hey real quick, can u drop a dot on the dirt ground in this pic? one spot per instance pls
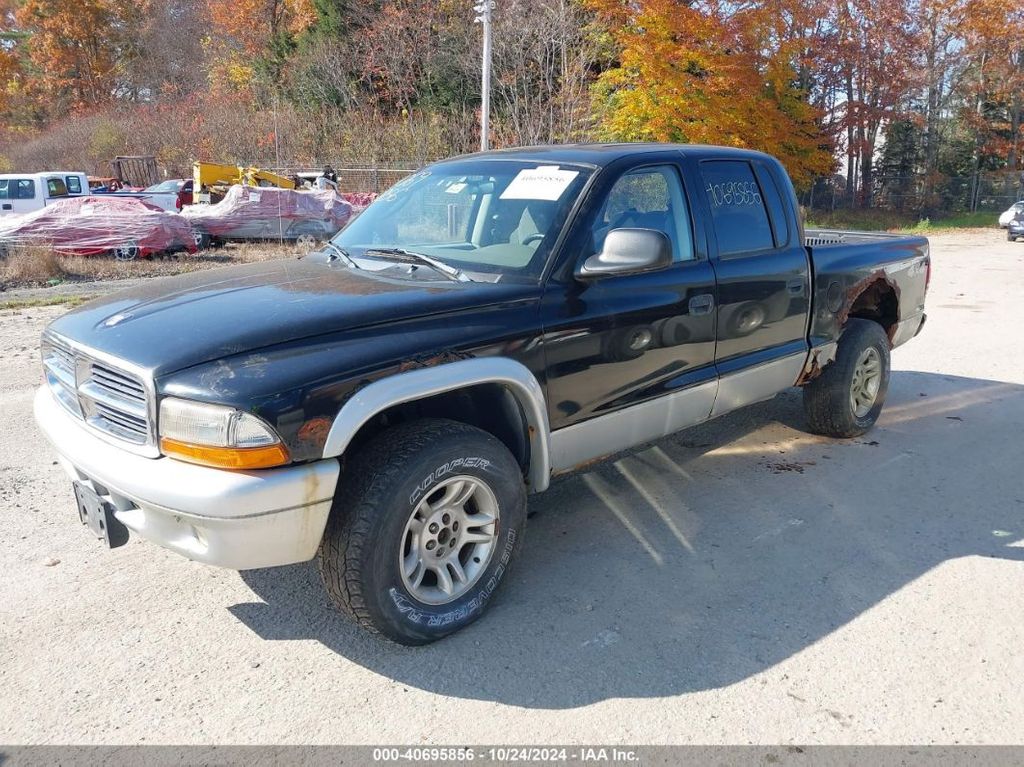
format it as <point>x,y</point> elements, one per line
<point>743,582</point>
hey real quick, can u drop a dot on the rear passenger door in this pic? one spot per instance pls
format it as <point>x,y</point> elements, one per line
<point>763,279</point>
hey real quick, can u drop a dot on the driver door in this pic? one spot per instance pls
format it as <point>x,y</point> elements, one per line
<point>627,356</point>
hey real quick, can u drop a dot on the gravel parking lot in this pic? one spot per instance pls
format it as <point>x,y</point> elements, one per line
<point>743,582</point>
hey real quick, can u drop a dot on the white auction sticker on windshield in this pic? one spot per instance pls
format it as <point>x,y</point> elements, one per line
<point>544,183</point>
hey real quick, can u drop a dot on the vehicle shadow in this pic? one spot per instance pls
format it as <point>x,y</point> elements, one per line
<point>711,555</point>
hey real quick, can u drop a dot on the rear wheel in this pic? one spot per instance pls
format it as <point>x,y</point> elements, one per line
<point>847,398</point>
<point>428,518</point>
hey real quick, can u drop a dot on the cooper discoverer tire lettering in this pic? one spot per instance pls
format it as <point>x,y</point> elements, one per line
<point>427,520</point>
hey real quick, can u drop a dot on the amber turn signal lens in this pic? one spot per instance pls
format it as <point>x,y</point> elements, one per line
<point>226,457</point>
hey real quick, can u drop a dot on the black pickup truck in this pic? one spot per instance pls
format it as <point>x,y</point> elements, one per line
<point>386,404</point>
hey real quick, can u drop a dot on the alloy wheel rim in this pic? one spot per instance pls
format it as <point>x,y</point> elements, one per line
<point>126,252</point>
<point>449,540</point>
<point>867,379</point>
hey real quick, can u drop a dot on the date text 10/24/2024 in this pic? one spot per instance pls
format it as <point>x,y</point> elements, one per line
<point>506,754</point>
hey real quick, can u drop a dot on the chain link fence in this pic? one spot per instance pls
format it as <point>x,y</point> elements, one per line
<point>352,177</point>
<point>921,194</point>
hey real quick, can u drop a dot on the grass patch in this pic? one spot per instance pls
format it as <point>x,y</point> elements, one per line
<point>890,221</point>
<point>31,265</point>
<point>977,220</point>
<point>38,266</point>
<point>31,303</point>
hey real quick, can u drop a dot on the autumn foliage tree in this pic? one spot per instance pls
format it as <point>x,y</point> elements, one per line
<point>78,51</point>
<point>253,38</point>
<point>866,101</point>
<point>701,73</point>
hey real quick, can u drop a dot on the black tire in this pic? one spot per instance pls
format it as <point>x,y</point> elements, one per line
<point>201,239</point>
<point>1009,237</point>
<point>378,493</point>
<point>827,398</point>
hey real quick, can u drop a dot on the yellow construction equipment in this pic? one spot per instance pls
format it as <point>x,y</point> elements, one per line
<point>210,180</point>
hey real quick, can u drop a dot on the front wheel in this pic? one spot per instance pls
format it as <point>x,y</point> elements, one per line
<point>127,252</point>
<point>419,541</point>
<point>847,398</point>
<point>306,242</point>
<point>201,240</point>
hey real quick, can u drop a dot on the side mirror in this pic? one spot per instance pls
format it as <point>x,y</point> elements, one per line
<point>628,251</point>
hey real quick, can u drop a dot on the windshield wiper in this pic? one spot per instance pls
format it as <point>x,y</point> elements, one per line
<point>339,252</point>
<point>401,255</point>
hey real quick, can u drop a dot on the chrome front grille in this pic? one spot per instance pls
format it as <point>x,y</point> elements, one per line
<point>111,399</point>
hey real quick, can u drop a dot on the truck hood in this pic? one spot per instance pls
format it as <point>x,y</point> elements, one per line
<point>176,322</point>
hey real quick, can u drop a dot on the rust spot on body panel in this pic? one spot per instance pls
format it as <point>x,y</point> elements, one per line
<point>870,291</point>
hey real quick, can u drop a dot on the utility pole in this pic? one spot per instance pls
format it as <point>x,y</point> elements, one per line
<point>483,10</point>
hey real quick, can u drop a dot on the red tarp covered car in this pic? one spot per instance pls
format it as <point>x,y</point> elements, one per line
<point>360,201</point>
<point>269,213</point>
<point>87,226</point>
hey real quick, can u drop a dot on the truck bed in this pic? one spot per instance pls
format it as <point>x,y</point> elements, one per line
<point>819,237</point>
<point>843,263</point>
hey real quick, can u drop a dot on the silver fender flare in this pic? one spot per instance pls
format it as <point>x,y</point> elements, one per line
<point>427,382</point>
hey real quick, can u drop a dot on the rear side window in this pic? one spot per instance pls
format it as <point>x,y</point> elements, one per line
<point>26,189</point>
<point>773,197</point>
<point>737,207</point>
<point>55,187</point>
<point>73,184</point>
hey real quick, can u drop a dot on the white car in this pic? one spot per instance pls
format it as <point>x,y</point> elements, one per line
<point>1007,215</point>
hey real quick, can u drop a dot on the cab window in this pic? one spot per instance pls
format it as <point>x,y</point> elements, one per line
<point>55,187</point>
<point>738,212</point>
<point>648,198</point>
<point>74,185</point>
<point>773,196</point>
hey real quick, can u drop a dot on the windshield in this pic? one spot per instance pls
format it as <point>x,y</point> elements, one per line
<point>165,186</point>
<point>497,217</point>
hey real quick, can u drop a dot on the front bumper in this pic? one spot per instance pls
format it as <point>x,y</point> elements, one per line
<point>237,519</point>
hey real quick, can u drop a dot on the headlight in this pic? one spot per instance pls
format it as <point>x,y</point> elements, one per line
<point>214,435</point>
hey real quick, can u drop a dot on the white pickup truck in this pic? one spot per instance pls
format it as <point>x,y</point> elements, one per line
<point>25,192</point>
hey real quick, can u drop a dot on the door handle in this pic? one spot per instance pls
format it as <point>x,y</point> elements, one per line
<point>8,206</point>
<point>702,304</point>
<point>796,287</point>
